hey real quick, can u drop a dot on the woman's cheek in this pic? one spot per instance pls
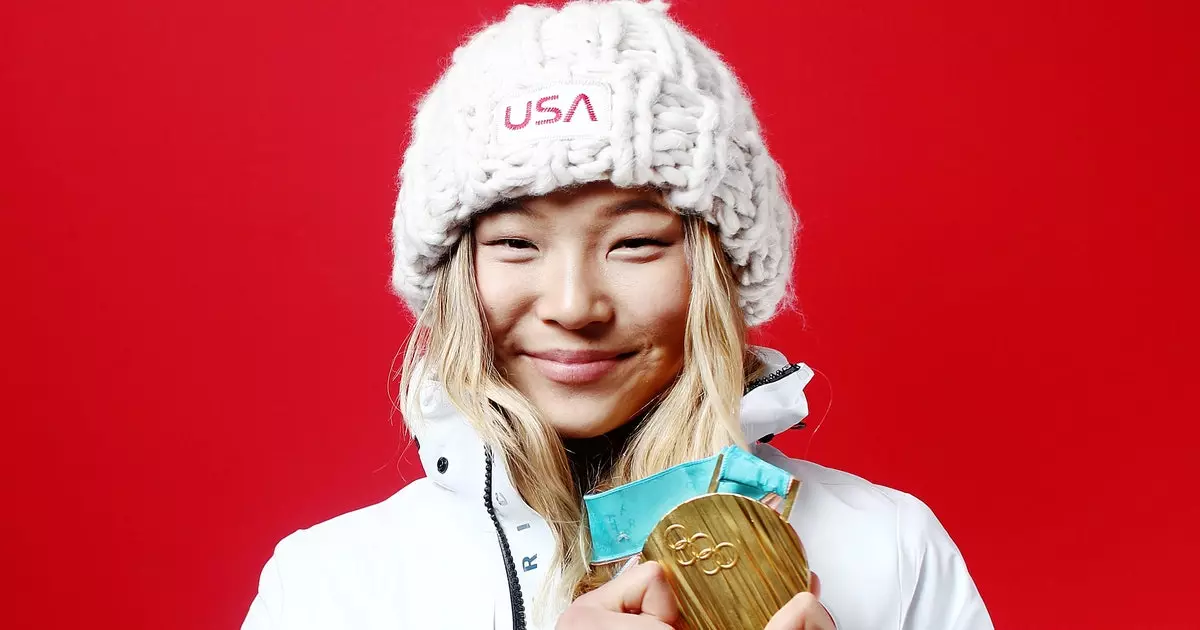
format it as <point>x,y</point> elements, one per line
<point>655,292</point>
<point>501,288</point>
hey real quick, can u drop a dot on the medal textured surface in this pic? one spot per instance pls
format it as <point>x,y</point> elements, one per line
<point>732,561</point>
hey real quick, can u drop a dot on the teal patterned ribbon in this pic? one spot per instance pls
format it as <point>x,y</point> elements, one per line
<point>622,518</point>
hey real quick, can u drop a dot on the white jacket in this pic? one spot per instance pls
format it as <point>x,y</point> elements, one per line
<point>460,550</point>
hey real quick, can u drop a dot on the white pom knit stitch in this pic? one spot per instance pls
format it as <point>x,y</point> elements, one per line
<point>550,98</point>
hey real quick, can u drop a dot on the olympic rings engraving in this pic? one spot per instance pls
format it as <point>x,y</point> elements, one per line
<point>698,549</point>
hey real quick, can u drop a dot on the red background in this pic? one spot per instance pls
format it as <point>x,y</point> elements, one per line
<point>997,276</point>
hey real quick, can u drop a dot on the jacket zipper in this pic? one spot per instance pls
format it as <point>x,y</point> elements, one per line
<point>777,375</point>
<point>510,568</point>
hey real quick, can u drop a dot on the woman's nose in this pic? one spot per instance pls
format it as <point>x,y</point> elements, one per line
<point>573,295</point>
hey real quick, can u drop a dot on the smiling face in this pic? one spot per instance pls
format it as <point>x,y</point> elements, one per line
<point>585,292</point>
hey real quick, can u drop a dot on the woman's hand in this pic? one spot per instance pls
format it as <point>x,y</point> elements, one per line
<point>638,599</point>
<point>803,612</point>
<point>641,599</point>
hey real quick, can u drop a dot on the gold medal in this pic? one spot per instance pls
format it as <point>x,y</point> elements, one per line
<point>732,561</point>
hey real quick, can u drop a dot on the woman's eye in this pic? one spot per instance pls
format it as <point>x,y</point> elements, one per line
<point>636,243</point>
<point>512,243</point>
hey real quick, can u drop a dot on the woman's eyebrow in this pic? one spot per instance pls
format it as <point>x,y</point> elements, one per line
<point>509,207</point>
<point>639,203</point>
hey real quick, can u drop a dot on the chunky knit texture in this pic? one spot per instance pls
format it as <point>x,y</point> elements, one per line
<point>613,91</point>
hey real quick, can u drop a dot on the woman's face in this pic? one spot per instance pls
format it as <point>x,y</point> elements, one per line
<point>586,294</point>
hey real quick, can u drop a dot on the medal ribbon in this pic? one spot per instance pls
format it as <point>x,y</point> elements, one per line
<point>622,518</point>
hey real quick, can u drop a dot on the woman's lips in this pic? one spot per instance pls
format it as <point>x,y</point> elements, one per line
<point>575,367</point>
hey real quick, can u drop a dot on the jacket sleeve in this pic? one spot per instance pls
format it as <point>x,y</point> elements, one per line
<point>941,594</point>
<point>266,609</point>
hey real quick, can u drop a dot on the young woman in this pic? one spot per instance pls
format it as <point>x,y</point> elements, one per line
<point>588,221</point>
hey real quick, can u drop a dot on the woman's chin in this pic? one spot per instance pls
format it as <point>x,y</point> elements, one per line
<point>583,428</point>
<point>579,419</point>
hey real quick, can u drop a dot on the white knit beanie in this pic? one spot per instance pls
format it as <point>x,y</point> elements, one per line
<point>594,91</point>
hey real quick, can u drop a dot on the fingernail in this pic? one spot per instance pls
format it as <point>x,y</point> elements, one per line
<point>630,563</point>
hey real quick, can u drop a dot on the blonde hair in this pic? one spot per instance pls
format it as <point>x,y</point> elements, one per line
<point>696,416</point>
